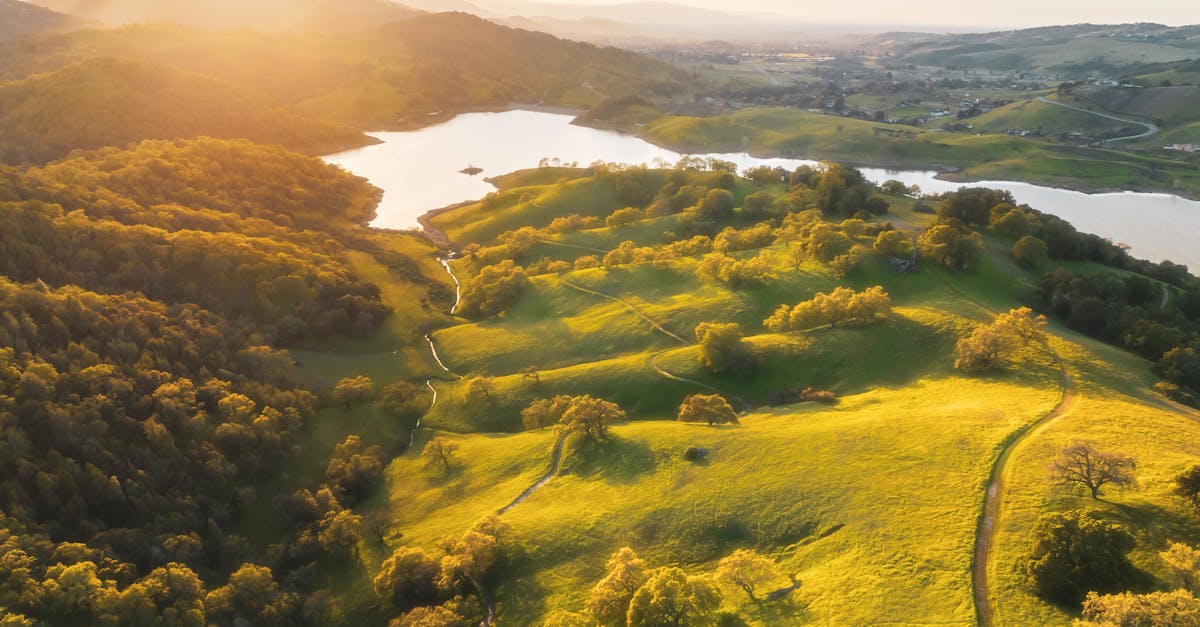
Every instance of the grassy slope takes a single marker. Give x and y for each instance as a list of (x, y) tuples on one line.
[(894, 474), (790, 132), (1033, 115)]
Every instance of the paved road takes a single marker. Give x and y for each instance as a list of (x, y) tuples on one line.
[(1150, 128)]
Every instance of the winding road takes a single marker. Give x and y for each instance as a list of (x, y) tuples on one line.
[(1151, 129)]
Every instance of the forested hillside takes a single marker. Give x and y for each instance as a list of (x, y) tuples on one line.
[(21, 18), (147, 404), (105, 101), (393, 76)]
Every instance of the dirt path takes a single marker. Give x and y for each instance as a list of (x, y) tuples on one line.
[(985, 536), (653, 363), (654, 323), (555, 464), (1165, 298), (1150, 128)]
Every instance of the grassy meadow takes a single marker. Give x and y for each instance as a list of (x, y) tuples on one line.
[(872, 503)]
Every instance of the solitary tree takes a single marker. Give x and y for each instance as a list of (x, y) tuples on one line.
[(591, 416), (710, 408), (747, 570), (1081, 463), (722, 348), (1187, 485), (439, 451), (532, 372), (545, 412), (352, 390), (479, 390), (1077, 552), (405, 399), (989, 346)]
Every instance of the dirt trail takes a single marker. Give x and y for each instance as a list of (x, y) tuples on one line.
[(555, 464), (985, 535), (654, 323), (653, 361)]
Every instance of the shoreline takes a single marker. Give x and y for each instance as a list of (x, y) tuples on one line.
[(939, 171), (944, 172), (435, 235), (955, 174)]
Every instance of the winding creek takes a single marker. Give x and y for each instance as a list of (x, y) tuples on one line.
[(419, 171)]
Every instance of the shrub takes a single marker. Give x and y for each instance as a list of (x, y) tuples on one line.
[(1030, 252), (1076, 552)]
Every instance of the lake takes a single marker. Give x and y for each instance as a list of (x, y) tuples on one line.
[(419, 171)]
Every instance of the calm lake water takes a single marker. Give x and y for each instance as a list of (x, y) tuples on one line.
[(419, 171)]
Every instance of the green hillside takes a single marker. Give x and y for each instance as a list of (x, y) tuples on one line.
[(1072, 51), (872, 503)]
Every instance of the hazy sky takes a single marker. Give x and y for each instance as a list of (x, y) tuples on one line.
[(996, 13)]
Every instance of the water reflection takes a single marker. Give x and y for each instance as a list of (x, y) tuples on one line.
[(420, 170)]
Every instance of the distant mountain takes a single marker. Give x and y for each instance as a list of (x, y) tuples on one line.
[(304, 15), (1070, 51), (21, 18), (115, 102)]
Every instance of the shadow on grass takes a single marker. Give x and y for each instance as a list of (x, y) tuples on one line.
[(846, 360), (613, 459)]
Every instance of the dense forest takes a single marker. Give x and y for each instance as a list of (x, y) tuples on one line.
[(144, 391)]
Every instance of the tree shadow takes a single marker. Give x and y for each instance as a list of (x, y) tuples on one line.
[(443, 476), (613, 459)]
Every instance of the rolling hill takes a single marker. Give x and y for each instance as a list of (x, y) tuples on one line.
[(114, 102), (392, 76), (1062, 51)]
